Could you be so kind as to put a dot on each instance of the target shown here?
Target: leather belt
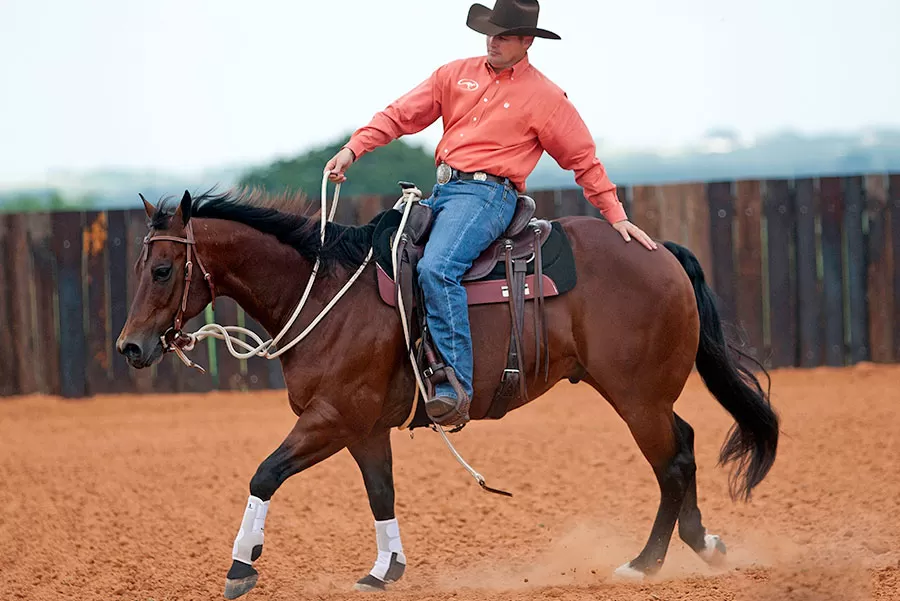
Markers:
(445, 173)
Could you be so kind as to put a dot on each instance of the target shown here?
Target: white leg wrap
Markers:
(387, 533)
(251, 533)
(711, 551)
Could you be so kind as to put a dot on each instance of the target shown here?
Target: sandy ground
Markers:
(140, 498)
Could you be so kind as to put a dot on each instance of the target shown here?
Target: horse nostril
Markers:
(132, 351)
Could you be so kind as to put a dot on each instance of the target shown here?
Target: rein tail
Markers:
(752, 442)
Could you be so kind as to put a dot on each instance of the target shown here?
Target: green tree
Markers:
(375, 173)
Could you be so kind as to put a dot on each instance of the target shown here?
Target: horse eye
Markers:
(161, 274)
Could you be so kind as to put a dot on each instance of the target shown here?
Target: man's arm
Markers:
(566, 138)
(409, 114)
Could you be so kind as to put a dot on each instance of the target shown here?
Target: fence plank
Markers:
(856, 257)
(646, 209)
(545, 204)
(697, 218)
(782, 287)
(721, 215)
(573, 202)
(832, 268)
(21, 324)
(228, 368)
(46, 343)
(807, 207)
(9, 378)
(894, 191)
(673, 223)
(749, 300)
(880, 289)
(67, 244)
(97, 301)
(117, 265)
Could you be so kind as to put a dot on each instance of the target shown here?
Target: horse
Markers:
(633, 327)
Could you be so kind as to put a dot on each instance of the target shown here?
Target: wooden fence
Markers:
(808, 269)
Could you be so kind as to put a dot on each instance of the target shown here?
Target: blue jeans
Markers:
(468, 216)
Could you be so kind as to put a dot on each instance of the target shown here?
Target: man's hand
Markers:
(338, 164)
(630, 230)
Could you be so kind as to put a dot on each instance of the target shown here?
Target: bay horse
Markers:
(633, 328)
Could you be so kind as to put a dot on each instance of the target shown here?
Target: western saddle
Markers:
(519, 244)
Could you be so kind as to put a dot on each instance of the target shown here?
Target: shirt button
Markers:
(461, 135)
(497, 81)
(485, 99)
(445, 150)
(474, 118)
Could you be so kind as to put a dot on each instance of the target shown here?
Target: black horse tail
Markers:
(753, 441)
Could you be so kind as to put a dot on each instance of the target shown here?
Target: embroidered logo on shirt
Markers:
(468, 84)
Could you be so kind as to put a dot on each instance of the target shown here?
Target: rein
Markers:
(180, 342)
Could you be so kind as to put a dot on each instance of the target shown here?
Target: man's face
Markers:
(505, 51)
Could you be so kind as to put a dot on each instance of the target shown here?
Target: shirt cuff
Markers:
(611, 208)
(356, 147)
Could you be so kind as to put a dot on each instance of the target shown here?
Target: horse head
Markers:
(166, 269)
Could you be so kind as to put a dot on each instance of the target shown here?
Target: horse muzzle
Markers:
(140, 352)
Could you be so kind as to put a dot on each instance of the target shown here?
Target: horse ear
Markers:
(184, 208)
(151, 210)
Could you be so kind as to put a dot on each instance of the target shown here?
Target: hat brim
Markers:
(479, 19)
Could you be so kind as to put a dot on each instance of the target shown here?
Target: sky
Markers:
(184, 85)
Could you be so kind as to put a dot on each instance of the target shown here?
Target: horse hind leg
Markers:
(665, 447)
(690, 525)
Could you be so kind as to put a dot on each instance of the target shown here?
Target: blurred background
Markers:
(765, 135)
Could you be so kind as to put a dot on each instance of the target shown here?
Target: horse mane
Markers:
(286, 216)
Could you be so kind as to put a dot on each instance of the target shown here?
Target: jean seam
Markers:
(443, 273)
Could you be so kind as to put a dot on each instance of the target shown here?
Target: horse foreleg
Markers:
(318, 434)
(373, 455)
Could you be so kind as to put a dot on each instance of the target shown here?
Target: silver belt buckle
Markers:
(443, 173)
(479, 176)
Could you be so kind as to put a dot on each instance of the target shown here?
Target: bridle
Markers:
(174, 340)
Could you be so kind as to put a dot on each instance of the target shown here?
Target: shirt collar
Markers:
(518, 69)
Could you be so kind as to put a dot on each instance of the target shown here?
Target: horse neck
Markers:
(266, 278)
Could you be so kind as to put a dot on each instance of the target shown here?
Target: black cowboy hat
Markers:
(509, 17)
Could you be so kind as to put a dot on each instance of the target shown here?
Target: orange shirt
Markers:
(496, 123)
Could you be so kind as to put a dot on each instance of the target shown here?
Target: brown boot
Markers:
(447, 411)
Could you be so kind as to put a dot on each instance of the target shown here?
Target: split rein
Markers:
(180, 342)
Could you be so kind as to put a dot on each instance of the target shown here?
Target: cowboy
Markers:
(499, 114)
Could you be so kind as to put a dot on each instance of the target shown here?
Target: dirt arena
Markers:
(140, 498)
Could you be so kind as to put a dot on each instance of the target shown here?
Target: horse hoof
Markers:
(235, 587)
(715, 552)
(369, 584)
(626, 572)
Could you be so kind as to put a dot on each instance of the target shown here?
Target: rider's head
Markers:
(510, 27)
(504, 51)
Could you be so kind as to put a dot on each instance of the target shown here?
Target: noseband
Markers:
(174, 339)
